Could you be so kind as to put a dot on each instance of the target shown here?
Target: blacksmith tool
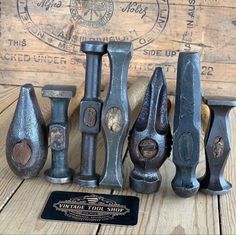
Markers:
(116, 113)
(26, 145)
(90, 113)
(150, 138)
(59, 132)
(217, 146)
(187, 125)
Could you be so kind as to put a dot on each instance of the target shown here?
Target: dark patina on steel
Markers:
(187, 125)
(90, 113)
(26, 145)
(217, 146)
(150, 138)
(116, 113)
(59, 132)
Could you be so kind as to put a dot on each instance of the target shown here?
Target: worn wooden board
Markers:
(8, 95)
(165, 213)
(40, 43)
(160, 213)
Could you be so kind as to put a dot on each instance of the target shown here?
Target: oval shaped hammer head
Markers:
(58, 91)
(97, 47)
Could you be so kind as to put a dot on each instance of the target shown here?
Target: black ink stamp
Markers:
(136, 8)
(48, 4)
(85, 20)
(91, 13)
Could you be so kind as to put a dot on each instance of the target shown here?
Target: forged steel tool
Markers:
(217, 146)
(26, 145)
(150, 138)
(90, 113)
(116, 113)
(59, 132)
(187, 125)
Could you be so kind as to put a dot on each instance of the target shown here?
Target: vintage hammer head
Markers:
(26, 145)
(217, 146)
(116, 113)
(90, 113)
(58, 91)
(93, 47)
(60, 96)
(150, 138)
(187, 124)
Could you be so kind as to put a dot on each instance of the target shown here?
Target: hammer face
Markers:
(95, 47)
(58, 91)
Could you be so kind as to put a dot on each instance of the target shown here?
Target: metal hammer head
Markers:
(120, 47)
(58, 91)
(220, 101)
(94, 47)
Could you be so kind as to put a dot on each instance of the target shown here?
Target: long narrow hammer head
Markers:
(187, 124)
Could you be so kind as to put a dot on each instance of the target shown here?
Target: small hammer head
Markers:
(94, 47)
(58, 91)
(219, 101)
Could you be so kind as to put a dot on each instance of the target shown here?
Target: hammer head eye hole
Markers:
(148, 148)
(22, 152)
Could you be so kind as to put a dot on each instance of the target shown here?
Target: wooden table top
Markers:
(22, 201)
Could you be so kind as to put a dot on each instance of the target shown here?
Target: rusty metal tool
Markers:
(217, 146)
(116, 113)
(59, 132)
(26, 144)
(90, 113)
(150, 138)
(187, 125)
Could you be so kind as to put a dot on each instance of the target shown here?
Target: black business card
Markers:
(92, 208)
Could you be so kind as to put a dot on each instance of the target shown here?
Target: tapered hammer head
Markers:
(150, 139)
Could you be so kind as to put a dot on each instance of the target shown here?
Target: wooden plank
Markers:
(218, 3)
(166, 213)
(227, 202)
(8, 94)
(46, 45)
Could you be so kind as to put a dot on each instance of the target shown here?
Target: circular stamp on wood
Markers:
(91, 13)
(65, 24)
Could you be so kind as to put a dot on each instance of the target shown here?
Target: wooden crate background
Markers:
(40, 44)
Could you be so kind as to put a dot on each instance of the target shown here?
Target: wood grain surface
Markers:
(21, 202)
(41, 42)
